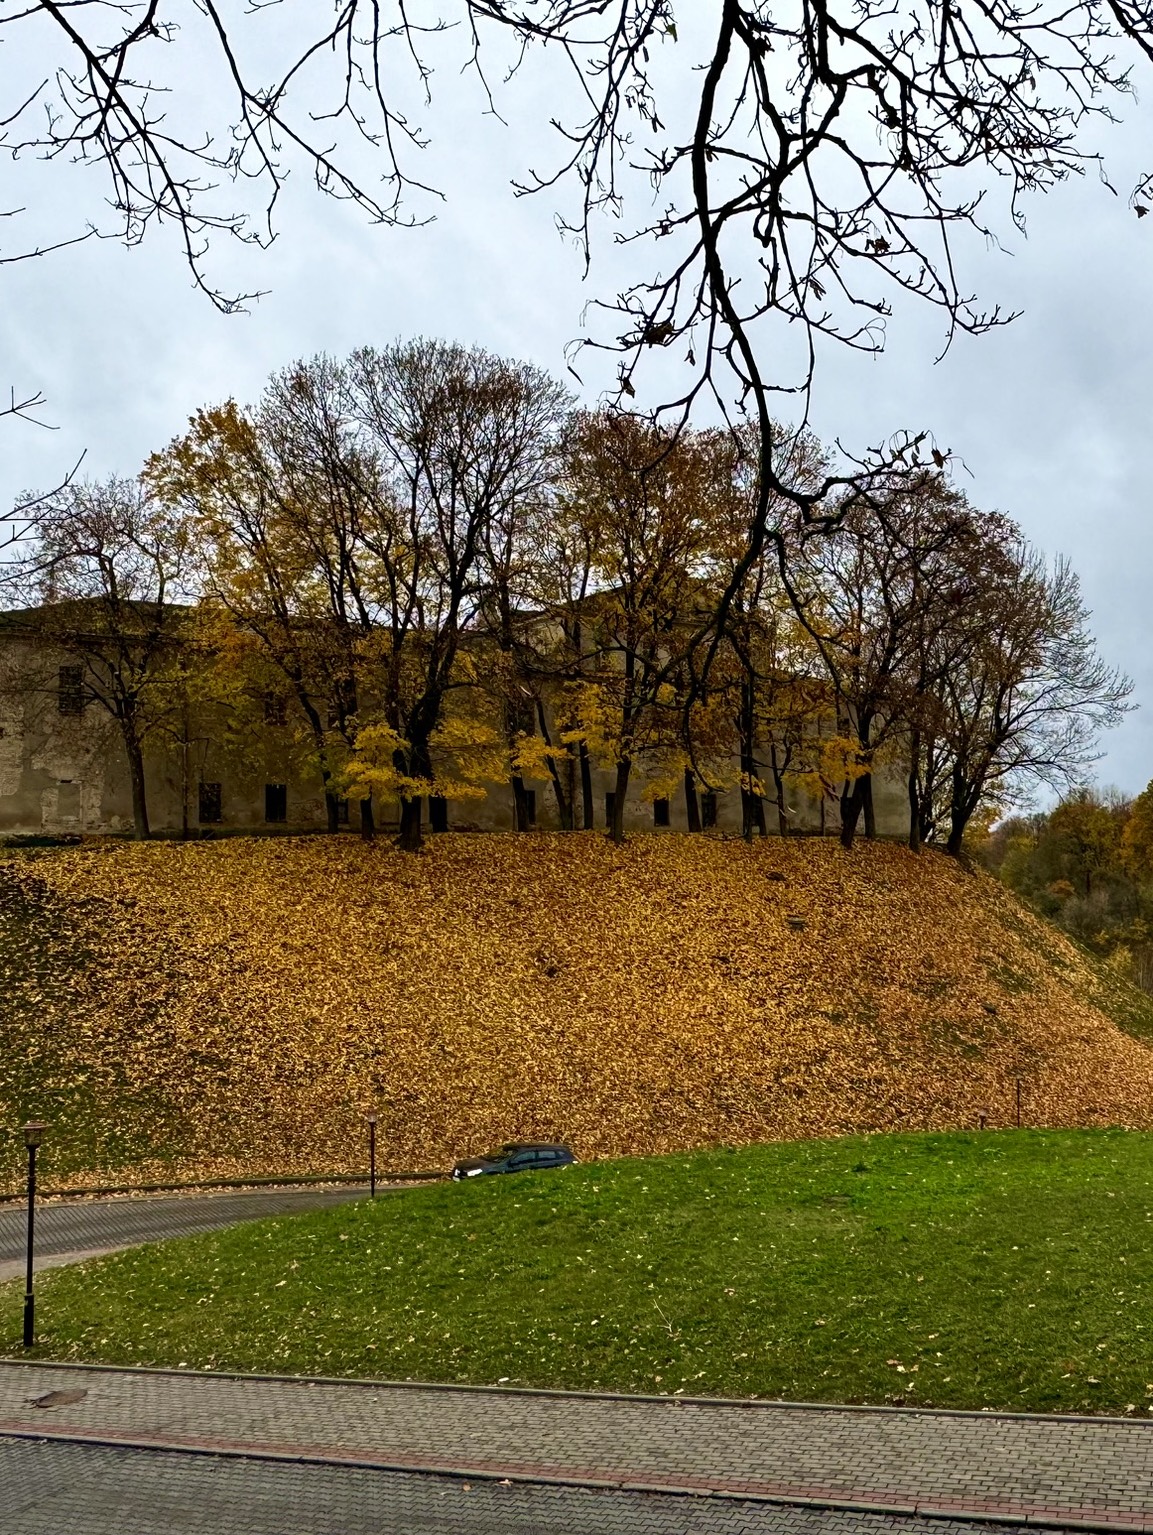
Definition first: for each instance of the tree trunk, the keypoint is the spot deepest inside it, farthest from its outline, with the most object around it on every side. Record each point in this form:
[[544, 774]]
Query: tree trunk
[[135, 756], [617, 825], [914, 791], [692, 801], [587, 807], [563, 792], [779, 786], [437, 813], [747, 727], [367, 820], [961, 807], [914, 813], [185, 789], [867, 806], [411, 837], [519, 804], [331, 808], [851, 804]]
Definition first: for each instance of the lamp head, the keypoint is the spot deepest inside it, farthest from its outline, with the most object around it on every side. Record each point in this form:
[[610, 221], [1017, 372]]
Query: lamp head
[[371, 1118], [34, 1132]]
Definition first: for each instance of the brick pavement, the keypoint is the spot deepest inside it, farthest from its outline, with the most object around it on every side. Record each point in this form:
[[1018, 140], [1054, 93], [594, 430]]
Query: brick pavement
[[47, 1488], [1045, 1471], [71, 1231]]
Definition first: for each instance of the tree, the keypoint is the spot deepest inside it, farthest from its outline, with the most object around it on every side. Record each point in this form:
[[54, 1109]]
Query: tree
[[643, 498], [863, 593], [1028, 701], [465, 442], [258, 519], [831, 150], [104, 566], [348, 520], [1137, 838]]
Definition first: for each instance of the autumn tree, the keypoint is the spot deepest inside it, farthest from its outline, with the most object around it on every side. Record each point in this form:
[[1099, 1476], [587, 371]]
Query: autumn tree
[[104, 566], [869, 594], [271, 538], [1027, 703], [464, 442], [642, 495], [761, 659], [1137, 838], [515, 534]]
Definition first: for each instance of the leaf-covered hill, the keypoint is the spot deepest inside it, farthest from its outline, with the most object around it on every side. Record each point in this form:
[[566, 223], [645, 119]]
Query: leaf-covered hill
[[233, 1007]]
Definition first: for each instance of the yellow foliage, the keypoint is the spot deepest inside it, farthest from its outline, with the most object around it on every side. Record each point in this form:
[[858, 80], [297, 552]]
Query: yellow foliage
[[674, 992], [530, 756]]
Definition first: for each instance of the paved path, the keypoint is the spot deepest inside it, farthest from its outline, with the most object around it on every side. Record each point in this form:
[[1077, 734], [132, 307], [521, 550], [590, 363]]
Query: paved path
[[68, 1232], [1049, 1473], [51, 1488]]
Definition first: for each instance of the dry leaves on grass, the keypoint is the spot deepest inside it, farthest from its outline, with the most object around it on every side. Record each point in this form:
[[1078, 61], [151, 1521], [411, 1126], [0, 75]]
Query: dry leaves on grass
[[237, 1006]]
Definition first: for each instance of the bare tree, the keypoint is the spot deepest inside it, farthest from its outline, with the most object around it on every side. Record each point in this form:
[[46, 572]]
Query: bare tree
[[102, 570], [1028, 701], [465, 442], [809, 161]]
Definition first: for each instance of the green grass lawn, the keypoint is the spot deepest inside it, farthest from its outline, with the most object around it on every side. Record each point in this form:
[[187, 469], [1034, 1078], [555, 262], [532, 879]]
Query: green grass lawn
[[1010, 1270]]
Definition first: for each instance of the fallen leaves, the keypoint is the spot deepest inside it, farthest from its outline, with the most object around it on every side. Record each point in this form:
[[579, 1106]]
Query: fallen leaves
[[235, 1007]]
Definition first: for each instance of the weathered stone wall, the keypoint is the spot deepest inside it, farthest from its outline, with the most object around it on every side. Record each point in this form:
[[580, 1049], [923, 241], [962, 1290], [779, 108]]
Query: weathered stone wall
[[66, 774]]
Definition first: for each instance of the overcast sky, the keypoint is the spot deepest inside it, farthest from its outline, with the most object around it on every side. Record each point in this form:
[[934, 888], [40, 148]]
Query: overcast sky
[[1050, 417]]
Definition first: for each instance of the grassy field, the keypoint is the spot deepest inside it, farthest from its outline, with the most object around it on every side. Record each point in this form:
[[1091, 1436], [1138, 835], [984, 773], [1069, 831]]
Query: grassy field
[[1003, 1270], [233, 1008]]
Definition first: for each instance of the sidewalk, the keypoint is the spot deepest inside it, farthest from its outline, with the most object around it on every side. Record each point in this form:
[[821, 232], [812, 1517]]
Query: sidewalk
[[1050, 1472]]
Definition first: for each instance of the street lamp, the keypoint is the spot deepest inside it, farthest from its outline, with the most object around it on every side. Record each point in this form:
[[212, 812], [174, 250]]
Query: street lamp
[[372, 1156], [33, 1135]]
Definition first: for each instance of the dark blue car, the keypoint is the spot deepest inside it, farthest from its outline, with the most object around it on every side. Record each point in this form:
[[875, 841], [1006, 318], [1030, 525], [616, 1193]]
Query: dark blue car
[[516, 1157]]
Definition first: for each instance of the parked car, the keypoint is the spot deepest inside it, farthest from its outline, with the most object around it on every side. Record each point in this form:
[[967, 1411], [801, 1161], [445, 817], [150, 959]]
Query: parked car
[[515, 1158]]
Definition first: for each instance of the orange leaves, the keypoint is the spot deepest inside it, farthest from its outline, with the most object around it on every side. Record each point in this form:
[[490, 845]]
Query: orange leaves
[[674, 992]]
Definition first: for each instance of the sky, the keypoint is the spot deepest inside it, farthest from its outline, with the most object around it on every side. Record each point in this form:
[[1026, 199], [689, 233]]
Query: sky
[[1049, 419]]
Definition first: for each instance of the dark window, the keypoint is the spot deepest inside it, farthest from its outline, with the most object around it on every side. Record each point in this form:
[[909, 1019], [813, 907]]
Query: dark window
[[530, 806], [438, 812], [210, 803], [70, 698], [342, 811], [522, 1159], [275, 709], [610, 807], [660, 812], [708, 808], [276, 802]]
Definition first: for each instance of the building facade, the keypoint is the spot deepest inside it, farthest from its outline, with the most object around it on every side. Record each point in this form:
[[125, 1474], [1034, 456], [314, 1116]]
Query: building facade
[[64, 773]]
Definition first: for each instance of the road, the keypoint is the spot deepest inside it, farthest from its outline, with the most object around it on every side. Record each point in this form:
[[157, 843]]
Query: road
[[72, 1230]]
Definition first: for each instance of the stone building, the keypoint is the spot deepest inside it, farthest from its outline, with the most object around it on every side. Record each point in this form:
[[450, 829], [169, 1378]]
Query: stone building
[[64, 772]]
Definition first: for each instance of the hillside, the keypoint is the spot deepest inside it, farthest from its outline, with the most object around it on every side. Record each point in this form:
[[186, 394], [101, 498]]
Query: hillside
[[232, 1007]]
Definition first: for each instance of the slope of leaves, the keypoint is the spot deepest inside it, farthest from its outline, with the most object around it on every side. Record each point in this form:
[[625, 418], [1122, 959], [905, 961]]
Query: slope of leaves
[[234, 1007]]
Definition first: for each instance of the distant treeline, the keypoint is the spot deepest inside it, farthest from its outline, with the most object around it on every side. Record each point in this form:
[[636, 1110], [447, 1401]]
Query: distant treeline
[[1088, 865]]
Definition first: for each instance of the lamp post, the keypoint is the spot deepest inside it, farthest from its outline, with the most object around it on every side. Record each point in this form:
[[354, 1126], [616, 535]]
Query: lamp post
[[372, 1156], [33, 1135]]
